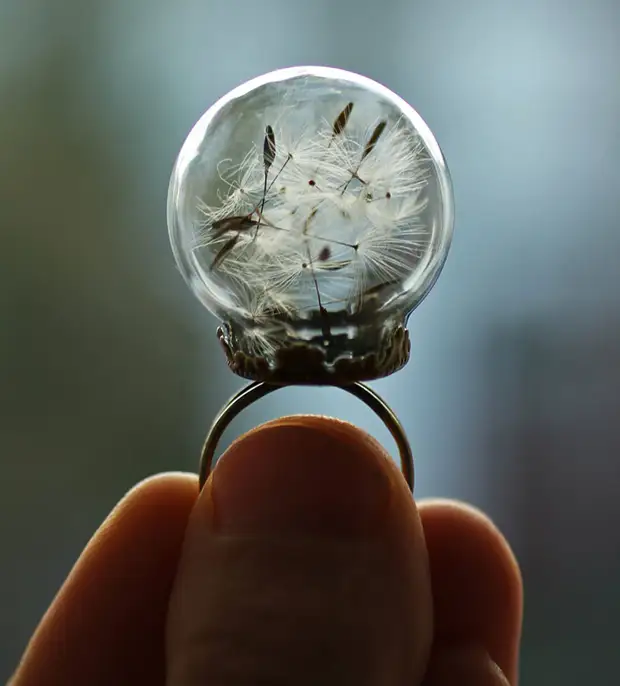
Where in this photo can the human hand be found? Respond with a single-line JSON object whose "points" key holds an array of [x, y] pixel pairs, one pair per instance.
{"points": [[304, 561]]}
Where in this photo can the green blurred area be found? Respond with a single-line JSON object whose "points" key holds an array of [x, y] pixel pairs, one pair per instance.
{"points": [[109, 368]]}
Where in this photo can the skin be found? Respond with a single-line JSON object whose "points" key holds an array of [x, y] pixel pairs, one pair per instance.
{"points": [[303, 561]]}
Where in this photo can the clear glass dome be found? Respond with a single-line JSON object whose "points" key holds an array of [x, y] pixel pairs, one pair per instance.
{"points": [[311, 210]]}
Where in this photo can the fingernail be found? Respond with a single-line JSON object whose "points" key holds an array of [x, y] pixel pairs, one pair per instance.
{"points": [[302, 476]]}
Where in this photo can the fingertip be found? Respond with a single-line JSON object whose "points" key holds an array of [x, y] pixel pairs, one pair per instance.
{"points": [[314, 476], [162, 482], [477, 584], [446, 515], [173, 492], [465, 666], [106, 624]]}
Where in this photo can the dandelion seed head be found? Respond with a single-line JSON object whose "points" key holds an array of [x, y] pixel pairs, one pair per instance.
{"points": [[301, 198]]}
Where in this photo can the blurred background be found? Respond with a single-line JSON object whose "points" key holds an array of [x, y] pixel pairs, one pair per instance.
{"points": [[110, 369]]}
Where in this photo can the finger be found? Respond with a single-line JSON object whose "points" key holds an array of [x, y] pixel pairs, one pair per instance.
{"points": [[106, 625], [477, 587], [305, 563], [466, 666]]}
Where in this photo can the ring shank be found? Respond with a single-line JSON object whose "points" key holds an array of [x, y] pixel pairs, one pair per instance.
{"points": [[259, 389]]}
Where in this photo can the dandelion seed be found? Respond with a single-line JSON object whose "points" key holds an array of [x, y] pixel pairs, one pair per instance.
{"points": [[269, 155], [368, 148], [224, 250], [372, 141], [226, 224], [342, 119], [269, 148]]}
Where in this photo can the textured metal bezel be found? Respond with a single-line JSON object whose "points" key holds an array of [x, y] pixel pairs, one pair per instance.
{"points": [[307, 363]]}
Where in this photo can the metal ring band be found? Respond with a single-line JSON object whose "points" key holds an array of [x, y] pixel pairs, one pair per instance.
{"points": [[259, 389]]}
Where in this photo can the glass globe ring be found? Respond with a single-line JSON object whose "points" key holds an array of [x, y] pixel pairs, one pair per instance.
{"points": [[311, 211]]}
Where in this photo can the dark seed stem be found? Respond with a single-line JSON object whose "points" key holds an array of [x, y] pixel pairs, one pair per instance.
{"points": [[324, 314]]}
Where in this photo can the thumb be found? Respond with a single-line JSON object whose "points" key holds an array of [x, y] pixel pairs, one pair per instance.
{"points": [[304, 562]]}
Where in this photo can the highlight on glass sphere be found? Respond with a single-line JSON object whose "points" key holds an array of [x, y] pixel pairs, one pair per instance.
{"points": [[311, 210]]}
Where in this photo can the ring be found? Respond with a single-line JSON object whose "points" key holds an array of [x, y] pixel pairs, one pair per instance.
{"points": [[259, 389]]}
